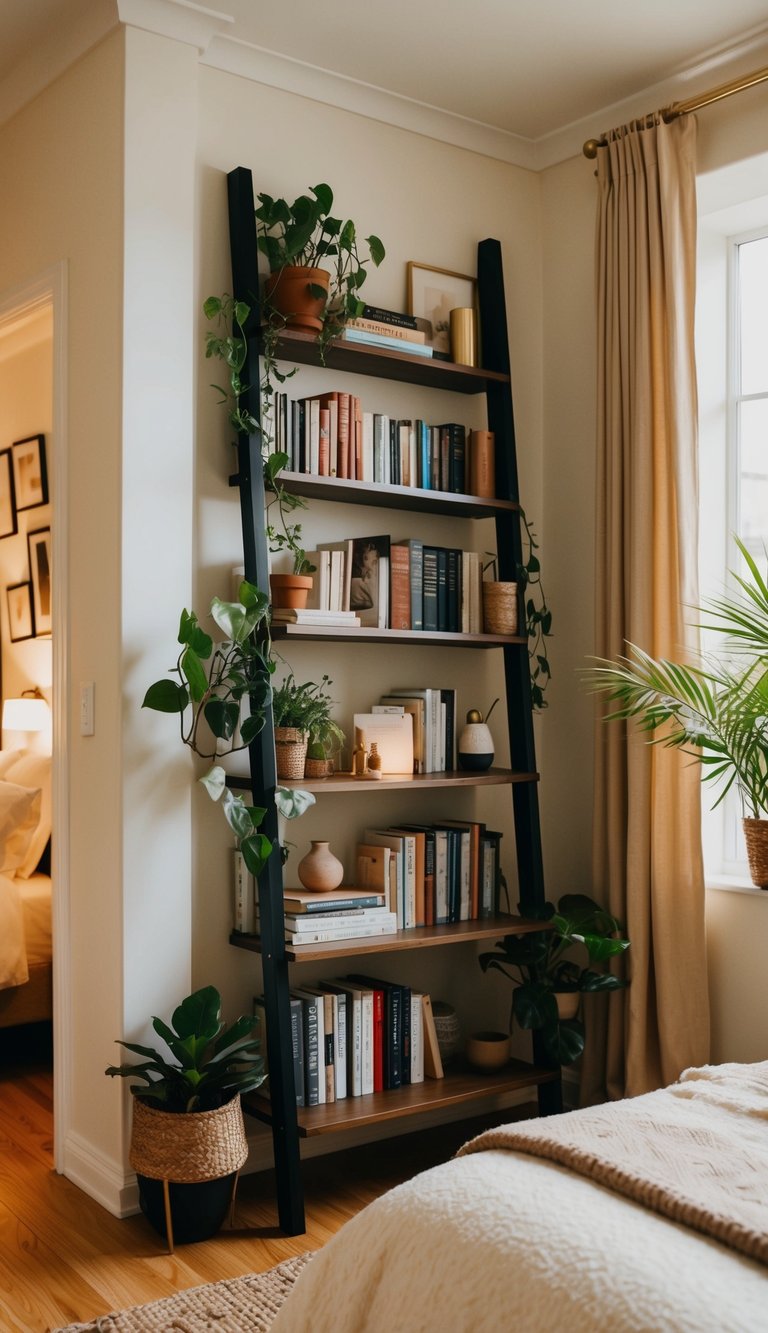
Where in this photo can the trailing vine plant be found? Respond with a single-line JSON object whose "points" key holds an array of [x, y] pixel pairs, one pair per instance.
{"points": [[538, 617], [232, 349]]}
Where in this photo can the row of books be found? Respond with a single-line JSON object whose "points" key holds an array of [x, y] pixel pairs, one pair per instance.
{"points": [[330, 435], [354, 1036], [401, 585], [431, 731], [432, 874]]}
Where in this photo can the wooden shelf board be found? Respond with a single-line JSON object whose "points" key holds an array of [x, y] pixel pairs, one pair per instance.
{"points": [[459, 1085], [418, 937], [345, 782], [395, 497], [380, 362], [423, 638]]}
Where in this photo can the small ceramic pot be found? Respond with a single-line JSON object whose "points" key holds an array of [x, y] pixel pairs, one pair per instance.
{"points": [[320, 871], [475, 748], [290, 590], [289, 292], [567, 1003], [488, 1050]]}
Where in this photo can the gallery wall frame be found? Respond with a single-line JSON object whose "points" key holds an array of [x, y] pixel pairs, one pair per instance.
{"points": [[21, 622], [30, 473], [8, 522], [39, 546]]}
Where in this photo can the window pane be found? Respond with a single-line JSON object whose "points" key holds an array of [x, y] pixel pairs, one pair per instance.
{"points": [[753, 292], [753, 481]]}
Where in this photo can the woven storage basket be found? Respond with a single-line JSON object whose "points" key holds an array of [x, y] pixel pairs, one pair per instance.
{"points": [[500, 608], [756, 836], [316, 768], [290, 751], [188, 1148]]}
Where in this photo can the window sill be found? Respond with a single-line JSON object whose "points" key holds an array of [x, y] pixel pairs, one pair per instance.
{"points": [[735, 884]]}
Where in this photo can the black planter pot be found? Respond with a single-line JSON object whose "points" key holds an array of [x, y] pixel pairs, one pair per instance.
{"points": [[197, 1211]]}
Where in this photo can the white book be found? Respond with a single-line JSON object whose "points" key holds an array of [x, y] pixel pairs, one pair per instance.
{"points": [[313, 452], [409, 877], [383, 606], [431, 699], [465, 901], [380, 449], [345, 570], [417, 1038], [354, 1033], [367, 447], [320, 592], [332, 933], [340, 1048], [383, 838], [322, 920], [366, 999], [336, 598], [441, 877], [305, 616]]}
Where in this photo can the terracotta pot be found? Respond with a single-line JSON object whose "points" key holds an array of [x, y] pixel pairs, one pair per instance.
{"points": [[320, 871], [756, 837], [567, 1003], [290, 751], [289, 293], [290, 590]]}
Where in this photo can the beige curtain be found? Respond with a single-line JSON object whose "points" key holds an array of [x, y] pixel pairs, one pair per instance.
{"points": [[647, 843]]}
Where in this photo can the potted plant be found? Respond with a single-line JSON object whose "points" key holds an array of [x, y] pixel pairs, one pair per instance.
{"points": [[548, 975], [715, 711], [500, 610], [316, 271], [298, 712], [188, 1138], [213, 679]]}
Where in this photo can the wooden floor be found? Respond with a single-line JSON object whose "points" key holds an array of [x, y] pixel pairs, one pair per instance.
{"points": [[63, 1258]]}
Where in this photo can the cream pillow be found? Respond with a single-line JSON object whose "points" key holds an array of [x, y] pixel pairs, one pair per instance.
{"points": [[19, 819], [34, 772]]}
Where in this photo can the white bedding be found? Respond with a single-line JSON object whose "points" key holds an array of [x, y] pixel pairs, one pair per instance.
{"points": [[25, 926], [500, 1240]]}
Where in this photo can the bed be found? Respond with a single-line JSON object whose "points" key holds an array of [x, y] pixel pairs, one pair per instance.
{"points": [[647, 1214], [25, 888]]}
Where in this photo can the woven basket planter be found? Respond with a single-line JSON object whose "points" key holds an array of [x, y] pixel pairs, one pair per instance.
{"points": [[187, 1167], [290, 751], [756, 837], [500, 608], [317, 768]]}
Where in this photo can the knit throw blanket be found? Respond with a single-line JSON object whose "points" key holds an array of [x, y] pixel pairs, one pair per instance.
{"points": [[697, 1151]]}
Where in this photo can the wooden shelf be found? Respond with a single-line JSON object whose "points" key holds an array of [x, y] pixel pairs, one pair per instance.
{"points": [[420, 637], [338, 782], [395, 497], [380, 362], [459, 1085], [418, 937]]}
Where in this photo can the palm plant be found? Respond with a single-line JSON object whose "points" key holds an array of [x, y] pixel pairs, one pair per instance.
{"points": [[716, 710]]}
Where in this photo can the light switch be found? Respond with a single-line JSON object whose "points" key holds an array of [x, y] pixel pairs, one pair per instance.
{"points": [[87, 725]]}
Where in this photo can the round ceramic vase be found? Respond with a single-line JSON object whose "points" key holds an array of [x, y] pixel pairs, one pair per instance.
{"points": [[475, 748], [320, 871]]}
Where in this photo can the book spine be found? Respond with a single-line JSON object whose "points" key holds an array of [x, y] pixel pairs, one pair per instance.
{"points": [[457, 470], [344, 434], [318, 920], [429, 877], [442, 588], [452, 590], [429, 590], [482, 469], [394, 1042], [400, 587], [368, 1051], [386, 341], [302, 906], [297, 1049], [389, 316], [364, 931], [405, 1041], [311, 1052], [399, 331], [341, 1036], [422, 449], [417, 1039], [448, 697], [329, 1049], [324, 453], [416, 549], [378, 1041], [355, 1045]]}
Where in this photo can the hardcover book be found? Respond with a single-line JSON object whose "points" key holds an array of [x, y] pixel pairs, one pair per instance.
{"points": [[368, 579]]}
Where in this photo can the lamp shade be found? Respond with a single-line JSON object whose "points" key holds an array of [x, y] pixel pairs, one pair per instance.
{"points": [[26, 714]]}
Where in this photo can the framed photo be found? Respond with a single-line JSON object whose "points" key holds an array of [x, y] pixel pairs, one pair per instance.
{"points": [[433, 293], [29, 472], [8, 523], [21, 624], [39, 544]]}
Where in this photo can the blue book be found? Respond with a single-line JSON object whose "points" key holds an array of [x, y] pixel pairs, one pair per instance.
{"points": [[423, 478]]}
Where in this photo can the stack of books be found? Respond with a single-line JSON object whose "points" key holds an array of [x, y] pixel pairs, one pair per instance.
{"points": [[314, 616], [342, 914], [389, 329], [356, 1035]]}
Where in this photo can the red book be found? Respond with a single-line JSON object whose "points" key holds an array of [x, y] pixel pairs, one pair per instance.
{"points": [[378, 1041], [399, 587]]}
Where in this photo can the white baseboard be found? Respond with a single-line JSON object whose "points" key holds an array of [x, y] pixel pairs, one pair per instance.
{"points": [[100, 1177]]}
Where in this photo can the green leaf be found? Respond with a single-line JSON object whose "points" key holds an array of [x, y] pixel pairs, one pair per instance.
{"points": [[251, 727], [215, 782], [193, 636], [256, 849], [230, 617], [293, 801], [564, 1041], [212, 307], [222, 718], [165, 696], [195, 674], [376, 248], [237, 815], [199, 1015], [324, 196]]}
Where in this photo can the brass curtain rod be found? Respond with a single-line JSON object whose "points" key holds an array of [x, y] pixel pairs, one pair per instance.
{"points": [[670, 113]]}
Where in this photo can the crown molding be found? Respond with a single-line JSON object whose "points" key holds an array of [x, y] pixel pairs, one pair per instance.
{"points": [[53, 53], [178, 19]]}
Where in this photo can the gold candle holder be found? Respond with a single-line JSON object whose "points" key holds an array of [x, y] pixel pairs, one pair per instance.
{"points": [[463, 336]]}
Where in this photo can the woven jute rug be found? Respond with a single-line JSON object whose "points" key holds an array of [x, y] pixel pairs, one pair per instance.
{"points": [[238, 1305]]}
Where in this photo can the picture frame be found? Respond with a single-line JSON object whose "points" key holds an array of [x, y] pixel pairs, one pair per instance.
{"points": [[9, 525], [21, 623], [433, 293], [39, 547], [30, 474]]}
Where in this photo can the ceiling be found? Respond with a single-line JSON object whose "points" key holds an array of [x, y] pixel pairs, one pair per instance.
{"points": [[523, 69]]}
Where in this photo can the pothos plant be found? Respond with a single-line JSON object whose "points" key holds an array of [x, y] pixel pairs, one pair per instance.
{"points": [[538, 617], [232, 349], [212, 679]]}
